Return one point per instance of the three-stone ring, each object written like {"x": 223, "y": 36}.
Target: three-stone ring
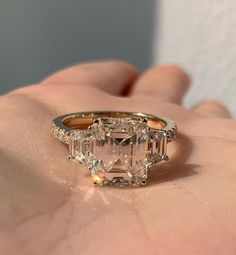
{"x": 116, "y": 147}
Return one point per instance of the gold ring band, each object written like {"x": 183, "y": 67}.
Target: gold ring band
{"x": 62, "y": 125}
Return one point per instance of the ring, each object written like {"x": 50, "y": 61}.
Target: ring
{"x": 118, "y": 148}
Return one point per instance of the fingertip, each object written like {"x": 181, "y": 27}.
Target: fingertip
{"x": 125, "y": 65}
{"x": 127, "y": 68}
{"x": 212, "y": 108}
{"x": 166, "y": 81}
{"x": 111, "y": 76}
{"x": 174, "y": 70}
{"x": 178, "y": 71}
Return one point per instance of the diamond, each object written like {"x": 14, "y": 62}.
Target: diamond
{"x": 157, "y": 146}
{"x": 117, "y": 150}
{"x": 80, "y": 147}
{"x": 121, "y": 143}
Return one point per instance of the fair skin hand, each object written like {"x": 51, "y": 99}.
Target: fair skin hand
{"x": 49, "y": 205}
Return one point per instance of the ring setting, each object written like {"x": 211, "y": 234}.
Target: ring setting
{"x": 118, "y": 148}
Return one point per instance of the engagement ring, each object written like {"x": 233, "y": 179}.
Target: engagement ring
{"x": 116, "y": 147}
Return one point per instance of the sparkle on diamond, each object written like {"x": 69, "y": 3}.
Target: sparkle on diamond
{"x": 116, "y": 150}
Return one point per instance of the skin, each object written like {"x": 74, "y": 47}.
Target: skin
{"x": 49, "y": 205}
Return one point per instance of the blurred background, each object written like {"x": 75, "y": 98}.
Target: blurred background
{"x": 39, "y": 37}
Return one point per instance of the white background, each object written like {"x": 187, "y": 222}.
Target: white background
{"x": 201, "y": 36}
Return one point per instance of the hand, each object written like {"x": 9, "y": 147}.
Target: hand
{"x": 48, "y": 204}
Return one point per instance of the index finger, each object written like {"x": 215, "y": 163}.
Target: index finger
{"x": 113, "y": 77}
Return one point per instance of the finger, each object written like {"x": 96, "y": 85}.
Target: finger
{"x": 212, "y": 109}
{"x": 114, "y": 77}
{"x": 168, "y": 82}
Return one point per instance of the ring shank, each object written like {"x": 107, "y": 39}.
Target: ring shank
{"x": 82, "y": 120}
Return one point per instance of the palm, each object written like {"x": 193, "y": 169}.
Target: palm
{"x": 49, "y": 206}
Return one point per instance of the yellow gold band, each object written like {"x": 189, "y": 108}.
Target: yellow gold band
{"x": 62, "y": 125}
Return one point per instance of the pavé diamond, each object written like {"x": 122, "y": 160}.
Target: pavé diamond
{"x": 118, "y": 150}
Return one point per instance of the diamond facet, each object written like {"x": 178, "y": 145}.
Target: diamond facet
{"x": 121, "y": 143}
{"x": 117, "y": 150}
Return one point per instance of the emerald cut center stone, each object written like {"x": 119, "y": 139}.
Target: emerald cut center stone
{"x": 121, "y": 145}
{"x": 116, "y": 150}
